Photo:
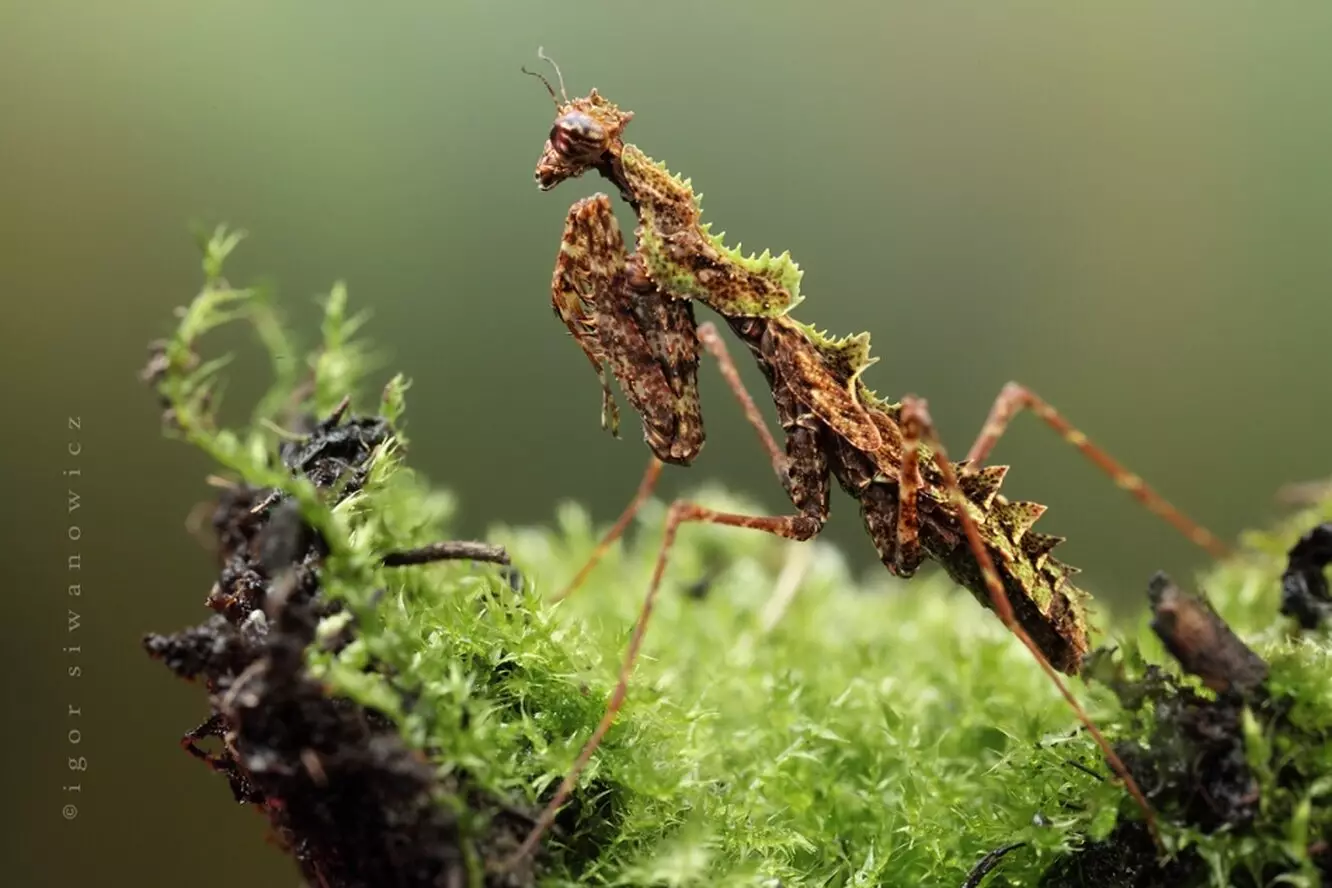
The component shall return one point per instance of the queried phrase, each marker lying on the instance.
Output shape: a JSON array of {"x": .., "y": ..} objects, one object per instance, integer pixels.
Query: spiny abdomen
[{"x": 1047, "y": 605}]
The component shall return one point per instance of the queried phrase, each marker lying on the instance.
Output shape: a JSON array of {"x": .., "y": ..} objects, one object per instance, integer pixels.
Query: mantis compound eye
[{"x": 578, "y": 135}]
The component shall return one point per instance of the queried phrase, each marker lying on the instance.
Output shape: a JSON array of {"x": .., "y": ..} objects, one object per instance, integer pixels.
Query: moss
[
  {"x": 877, "y": 734},
  {"x": 1240, "y": 776}
]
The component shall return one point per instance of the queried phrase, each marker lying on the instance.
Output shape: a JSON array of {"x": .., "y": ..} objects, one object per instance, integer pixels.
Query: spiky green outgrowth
[
  {"x": 876, "y": 734},
  {"x": 847, "y": 357},
  {"x": 736, "y": 284}
]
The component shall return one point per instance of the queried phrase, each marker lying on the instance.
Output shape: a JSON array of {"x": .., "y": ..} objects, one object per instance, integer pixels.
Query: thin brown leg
[
  {"x": 791, "y": 527},
  {"x": 716, "y": 346},
  {"x": 807, "y": 480},
  {"x": 906, "y": 547},
  {"x": 918, "y": 424},
  {"x": 645, "y": 488},
  {"x": 1015, "y": 398}
]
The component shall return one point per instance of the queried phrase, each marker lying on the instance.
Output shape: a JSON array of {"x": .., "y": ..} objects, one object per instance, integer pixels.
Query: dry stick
[
  {"x": 449, "y": 550},
  {"x": 915, "y": 414}
]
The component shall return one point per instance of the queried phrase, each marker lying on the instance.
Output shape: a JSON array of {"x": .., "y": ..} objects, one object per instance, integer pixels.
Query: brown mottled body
[
  {"x": 1047, "y": 606},
  {"x": 916, "y": 504}
]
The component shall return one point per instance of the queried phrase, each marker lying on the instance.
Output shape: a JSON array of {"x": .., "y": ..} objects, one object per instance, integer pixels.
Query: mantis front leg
[
  {"x": 712, "y": 341},
  {"x": 618, "y": 318}
]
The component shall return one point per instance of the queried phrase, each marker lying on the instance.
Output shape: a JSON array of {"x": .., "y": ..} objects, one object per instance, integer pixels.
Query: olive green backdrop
[{"x": 1128, "y": 210}]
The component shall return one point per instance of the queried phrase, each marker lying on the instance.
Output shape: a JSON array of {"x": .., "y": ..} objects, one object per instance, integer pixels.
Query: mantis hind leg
[
  {"x": 917, "y": 427},
  {"x": 1015, "y": 398},
  {"x": 807, "y": 482},
  {"x": 630, "y": 345}
]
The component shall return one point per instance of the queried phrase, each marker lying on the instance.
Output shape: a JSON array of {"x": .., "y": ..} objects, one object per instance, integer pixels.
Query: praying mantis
[{"x": 632, "y": 313}]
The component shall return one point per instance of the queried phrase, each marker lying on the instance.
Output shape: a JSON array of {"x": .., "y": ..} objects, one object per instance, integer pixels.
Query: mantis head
[{"x": 585, "y": 135}]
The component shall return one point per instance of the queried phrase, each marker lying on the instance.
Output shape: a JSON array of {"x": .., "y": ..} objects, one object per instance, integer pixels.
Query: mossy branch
[{"x": 874, "y": 735}]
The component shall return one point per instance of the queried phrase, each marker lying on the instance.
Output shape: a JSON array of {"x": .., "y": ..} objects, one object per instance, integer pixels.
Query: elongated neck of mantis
[{"x": 681, "y": 253}]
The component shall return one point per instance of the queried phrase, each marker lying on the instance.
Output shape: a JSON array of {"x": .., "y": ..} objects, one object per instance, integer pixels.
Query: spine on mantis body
[
  {"x": 1034, "y": 578},
  {"x": 1045, "y": 602},
  {"x": 687, "y": 260}
]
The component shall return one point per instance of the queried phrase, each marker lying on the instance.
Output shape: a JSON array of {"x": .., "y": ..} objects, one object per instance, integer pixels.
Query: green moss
[
  {"x": 1286, "y": 728},
  {"x": 880, "y": 733}
]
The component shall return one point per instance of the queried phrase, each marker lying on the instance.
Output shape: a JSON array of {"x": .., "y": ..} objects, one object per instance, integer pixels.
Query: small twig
[
  {"x": 228, "y": 701},
  {"x": 194, "y": 523},
  {"x": 266, "y": 502},
  {"x": 1084, "y": 769},
  {"x": 449, "y": 550},
  {"x": 1201, "y": 641},
  {"x": 987, "y": 863},
  {"x": 336, "y": 416}
]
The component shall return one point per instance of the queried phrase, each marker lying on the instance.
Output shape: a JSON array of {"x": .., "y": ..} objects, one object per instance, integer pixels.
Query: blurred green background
[{"x": 1126, "y": 209}]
